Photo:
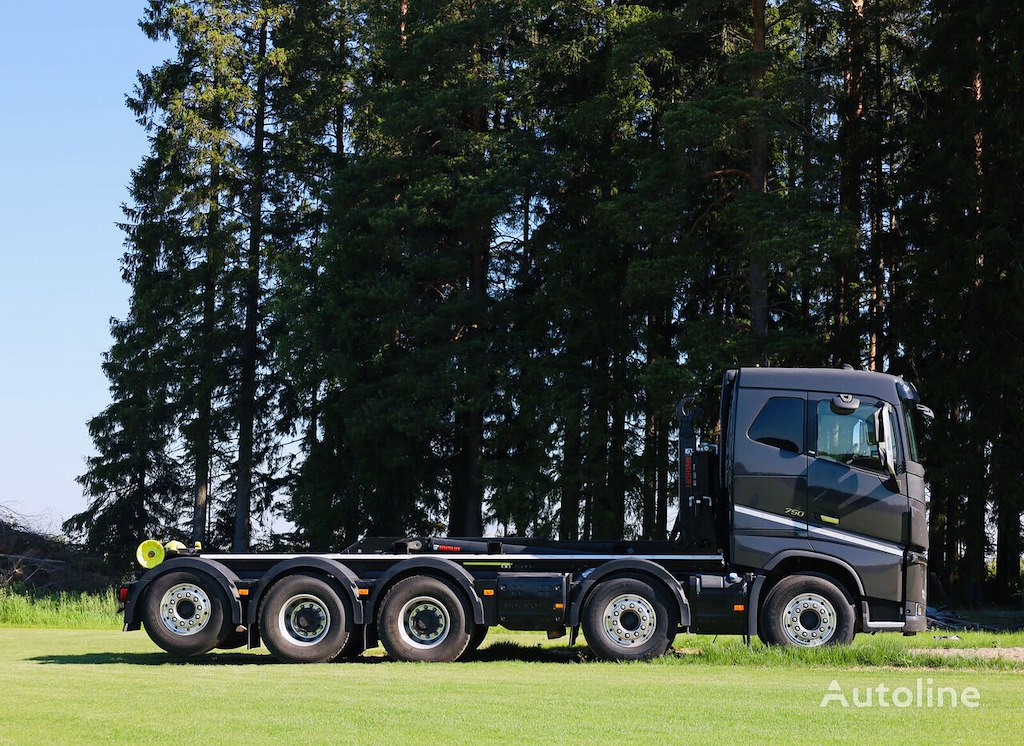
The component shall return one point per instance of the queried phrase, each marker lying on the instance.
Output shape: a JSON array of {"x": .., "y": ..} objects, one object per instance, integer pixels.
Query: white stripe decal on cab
[{"x": 828, "y": 533}]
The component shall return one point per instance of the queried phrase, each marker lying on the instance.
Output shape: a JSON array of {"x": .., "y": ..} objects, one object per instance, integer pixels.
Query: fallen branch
[{"x": 32, "y": 558}]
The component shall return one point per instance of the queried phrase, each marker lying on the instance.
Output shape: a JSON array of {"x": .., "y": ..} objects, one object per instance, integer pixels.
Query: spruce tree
[{"x": 136, "y": 483}]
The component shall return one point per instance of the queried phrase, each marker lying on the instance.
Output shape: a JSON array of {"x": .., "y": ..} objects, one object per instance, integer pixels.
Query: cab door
[
  {"x": 851, "y": 490},
  {"x": 769, "y": 485}
]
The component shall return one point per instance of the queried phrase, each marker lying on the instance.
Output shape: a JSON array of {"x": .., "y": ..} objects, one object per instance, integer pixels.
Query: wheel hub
[
  {"x": 630, "y": 620},
  {"x": 425, "y": 622},
  {"x": 305, "y": 619},
  {"x": 809, "y": 620},
  {"x": 185, "y": 609}
]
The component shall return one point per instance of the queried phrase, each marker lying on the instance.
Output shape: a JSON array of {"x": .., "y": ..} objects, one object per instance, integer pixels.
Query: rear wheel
[
  {"x": 630, "y": 619},
  {"x": 304, "y": 620},
  {"x": 186, "y": 613},
  {"x": 807, "y": 611},
  {"x": 423, "y": 618}
]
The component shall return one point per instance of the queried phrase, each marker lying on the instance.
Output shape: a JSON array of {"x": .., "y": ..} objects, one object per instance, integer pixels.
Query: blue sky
[{"x": 67, "y": 146}]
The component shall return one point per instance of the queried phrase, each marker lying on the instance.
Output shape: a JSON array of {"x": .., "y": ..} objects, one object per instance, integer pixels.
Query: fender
[
  {"x": 754, "y": 605},
  {"x": 224, "y": 576},
  {"x": 345, "y": 577},
  {"x": 415, "y": 566},
  {"x": 618, "y": 567}
]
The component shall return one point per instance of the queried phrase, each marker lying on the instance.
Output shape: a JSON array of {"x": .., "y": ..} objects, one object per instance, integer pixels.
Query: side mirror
[{"x": 883, "y": 416}]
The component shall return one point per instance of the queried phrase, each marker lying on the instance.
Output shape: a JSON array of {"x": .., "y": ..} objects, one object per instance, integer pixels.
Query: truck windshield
[{"x": 910, "y": 416}]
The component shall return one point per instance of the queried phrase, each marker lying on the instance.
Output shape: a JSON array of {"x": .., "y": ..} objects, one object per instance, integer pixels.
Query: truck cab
[{"x": 817, "y": 471}]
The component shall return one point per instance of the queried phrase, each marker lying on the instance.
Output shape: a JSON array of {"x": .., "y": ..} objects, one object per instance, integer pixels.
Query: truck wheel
[
  {"x": 423, "y": 619},
  {"x": 304, "y": 620},
  {"x": 629, "y": 619},
  {"x": 807, "y": 611},
  {"x": 185, "y": 613}
]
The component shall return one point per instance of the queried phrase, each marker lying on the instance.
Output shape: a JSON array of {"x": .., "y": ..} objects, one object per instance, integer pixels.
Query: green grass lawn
[
  {"x": 59, "y": 610},
  {"x": 101, "y": 685}
]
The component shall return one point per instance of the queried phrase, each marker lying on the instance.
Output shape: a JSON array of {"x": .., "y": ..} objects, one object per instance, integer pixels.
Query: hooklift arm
[{"x": 687, "y": 413}]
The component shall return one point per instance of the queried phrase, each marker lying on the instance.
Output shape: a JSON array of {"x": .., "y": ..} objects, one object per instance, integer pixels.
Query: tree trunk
[
  {"x": 846, "y": 343},
  {"x": 467, "y": 514},
  {"x": 648, "y": 508},
  {"x": 974, "y": 540},
  {"x": 617, "y": 448},
  {"x": 661, "y": 524},
  {"x": 201, "y": 488},
  {"x": 600, "y": 510},
  {"x": 250, "y": 338},
  {"x": 201, "y": 430},
  {"x": 569, "y": 474},
  {"x": 1008, "y": 514},
  {"x": 759, "y": 183},
  {"x": 876, "y": 216}
]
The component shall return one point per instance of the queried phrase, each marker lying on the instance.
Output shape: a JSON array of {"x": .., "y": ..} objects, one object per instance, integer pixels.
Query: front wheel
[
  {"x": 629, "y": 619},
  {"x": 423, "y": 618},
  {"x": 807, "y": 611},
  {"x": 304, "y": 620},
  {"x": 185, "y": 613}
]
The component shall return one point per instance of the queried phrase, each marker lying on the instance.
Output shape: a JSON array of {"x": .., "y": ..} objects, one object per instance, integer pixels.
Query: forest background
[{"x": 408, "y": 265}]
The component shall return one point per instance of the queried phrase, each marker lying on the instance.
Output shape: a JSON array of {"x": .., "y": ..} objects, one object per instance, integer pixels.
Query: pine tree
[
  {"x": 965, "y": 290},
  {"x": 189, "y": 102},
  {"x": 135, "y": 484},
  {"x": 407, "y": 266},
  {"x": 311, "y": 103},
  {"x": 187, "y": 267}
]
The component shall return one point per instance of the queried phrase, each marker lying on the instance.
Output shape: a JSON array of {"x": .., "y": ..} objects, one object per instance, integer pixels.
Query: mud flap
[{"x": 915, "y": 602}]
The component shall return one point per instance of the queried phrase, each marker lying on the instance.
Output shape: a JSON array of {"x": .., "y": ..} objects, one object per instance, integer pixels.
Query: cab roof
[{"x": 827, "y": 380}]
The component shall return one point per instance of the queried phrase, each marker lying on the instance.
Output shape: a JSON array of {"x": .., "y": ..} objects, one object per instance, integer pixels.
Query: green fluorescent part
[{"x": 487, "y": 564}]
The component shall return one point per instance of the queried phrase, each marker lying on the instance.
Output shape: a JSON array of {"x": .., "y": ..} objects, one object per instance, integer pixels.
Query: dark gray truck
[{"x": 804, "y": 525}]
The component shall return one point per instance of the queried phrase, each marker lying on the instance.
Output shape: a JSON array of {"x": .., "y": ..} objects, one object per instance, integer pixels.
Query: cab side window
[
  {"x": 849, "y": 438},
  {"x": 780, "y": 423}
]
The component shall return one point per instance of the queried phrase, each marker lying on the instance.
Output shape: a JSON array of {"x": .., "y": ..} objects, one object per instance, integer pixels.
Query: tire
[
  {"x": 185, "y": 613},
  {"x": 304, "y": 620},
  {"x": 629, "y": 619},
  {"x": 424, "y": 618},
  {"x": 807, "y": 611}
]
